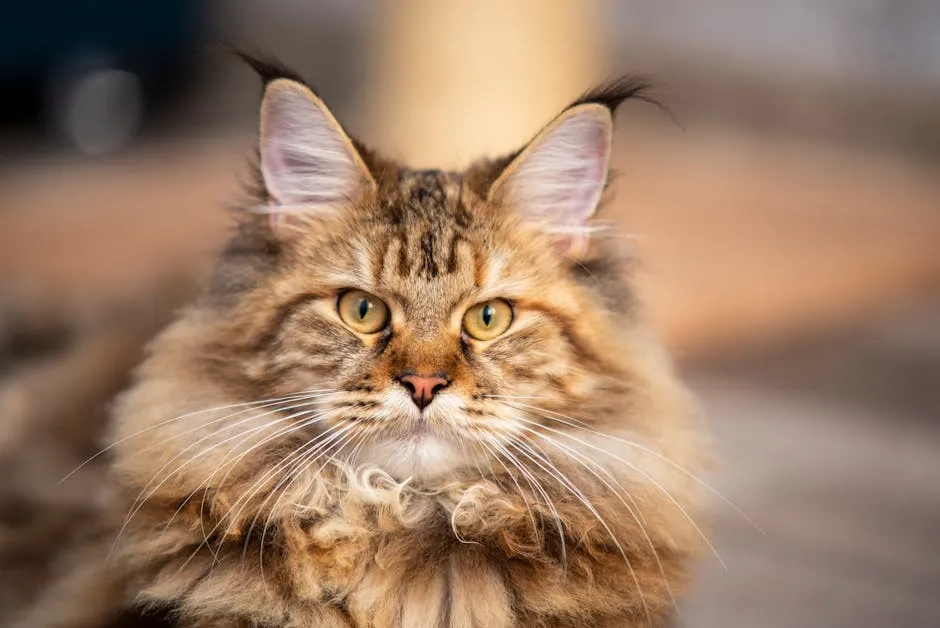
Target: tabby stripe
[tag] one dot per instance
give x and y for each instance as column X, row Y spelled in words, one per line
column 567, row 330
column 281, row 313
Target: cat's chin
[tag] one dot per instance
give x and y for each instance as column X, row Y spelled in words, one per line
column 422, row 457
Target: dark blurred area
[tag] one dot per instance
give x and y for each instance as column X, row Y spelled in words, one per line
column 789, row 235
column 87, row 71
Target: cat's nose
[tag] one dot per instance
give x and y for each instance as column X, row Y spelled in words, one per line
column 423, row 387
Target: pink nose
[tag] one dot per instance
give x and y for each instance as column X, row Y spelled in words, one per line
column 423, row 387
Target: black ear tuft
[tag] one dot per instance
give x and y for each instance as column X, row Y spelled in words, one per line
column 614, row 92
column 269, row 68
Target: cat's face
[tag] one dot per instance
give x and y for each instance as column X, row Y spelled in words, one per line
column 432, row 319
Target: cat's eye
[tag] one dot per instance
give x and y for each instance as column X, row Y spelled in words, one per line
column 487, row 320
column 363, row 312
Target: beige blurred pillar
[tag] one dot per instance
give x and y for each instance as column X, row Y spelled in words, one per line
column 451, row 80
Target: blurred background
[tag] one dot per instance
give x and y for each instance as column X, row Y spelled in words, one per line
column 789, row 236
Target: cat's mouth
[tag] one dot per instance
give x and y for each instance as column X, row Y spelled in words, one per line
column 421, row 429
column 419, row 445
column 424, row 431
column 411, row 442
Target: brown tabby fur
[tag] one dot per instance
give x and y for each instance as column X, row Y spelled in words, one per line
column 211, row 526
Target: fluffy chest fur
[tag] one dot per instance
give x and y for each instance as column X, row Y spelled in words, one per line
column 364, row 550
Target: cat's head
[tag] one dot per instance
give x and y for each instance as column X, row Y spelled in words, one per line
column 419, row 321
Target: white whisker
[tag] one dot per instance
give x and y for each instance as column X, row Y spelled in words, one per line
column 243, row 500
column 634, row 510
column 553, row 471
column 515, row 397
column 139, row 503
column 576, row 423
column 646, row 475
column 306, row 422
column 343, row 442
column 512, row 476
column 537, row 486
column 308, row 448
column 254, row 404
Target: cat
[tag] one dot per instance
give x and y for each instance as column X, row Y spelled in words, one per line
column 404, row 398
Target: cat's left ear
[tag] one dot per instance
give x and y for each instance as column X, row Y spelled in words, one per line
column 556, row 182
column 308, row 163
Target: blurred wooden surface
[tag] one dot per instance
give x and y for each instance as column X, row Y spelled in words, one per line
column 743, row 239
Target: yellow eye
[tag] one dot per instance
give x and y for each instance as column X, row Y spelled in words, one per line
column 362, row 312
column 487, row 320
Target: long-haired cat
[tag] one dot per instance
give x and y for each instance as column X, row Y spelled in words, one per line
column 407, row 398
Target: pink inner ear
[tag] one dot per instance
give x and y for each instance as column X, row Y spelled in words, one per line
column 557, row 182
column 580, row 154
column 306, row 160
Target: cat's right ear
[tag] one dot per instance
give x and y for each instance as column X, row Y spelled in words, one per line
column 308, row 163
column 556, row 182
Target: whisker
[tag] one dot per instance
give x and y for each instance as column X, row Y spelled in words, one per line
column 512, row 476
column 476, row 464
column 318, row 415
column 244, row 433
column 310, row 447
column 354, row 454
column 306, row 404
column 306, row 422
column 553, row 471
column 576, row 423
column 340, row 439
column 111, row 446
column 307, row 401
column 515, row 396
column 141, row 500
column 139, row 503
column 331, row 458
column 286, row 467
column 243, row 500
column 634, row 511
column 291, row 471
column 254, row 489
column 537, row 486
column 651, row 479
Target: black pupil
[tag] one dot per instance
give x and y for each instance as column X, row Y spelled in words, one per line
column 363, row 308
column 487, row 315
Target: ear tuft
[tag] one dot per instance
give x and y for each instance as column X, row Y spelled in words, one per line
column 308, row 163
column 615, row 92
column 557, row 181
column 268, row 68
